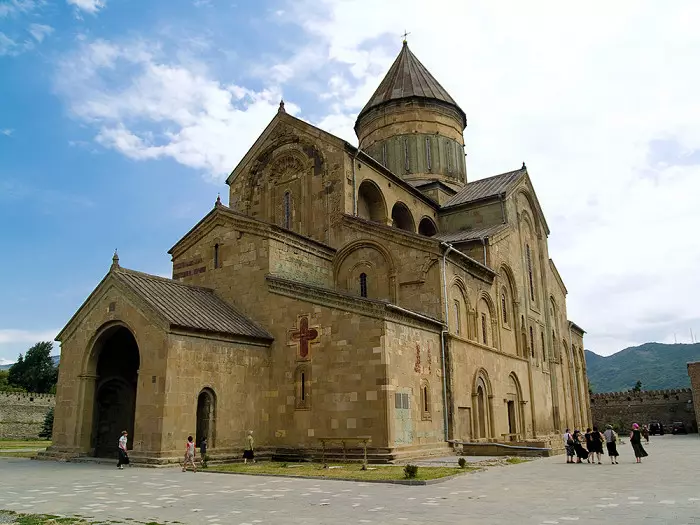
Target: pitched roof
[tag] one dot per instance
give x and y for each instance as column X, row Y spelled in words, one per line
column 484, row 188
column 408, row 78
column 470, row 235
column 187, row 306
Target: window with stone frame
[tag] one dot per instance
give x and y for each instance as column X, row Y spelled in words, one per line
column 544, row 349
column 287, row 210
column 302, row 383
column 532, row 342
column 217, row 256
column 428, row 154
column 458, row 318
column 530, row 276
column 504, row 308
column 363, row 285
column 425, row 401
column 484, row 330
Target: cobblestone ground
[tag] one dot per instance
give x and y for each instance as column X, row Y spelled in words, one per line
column 664, row 489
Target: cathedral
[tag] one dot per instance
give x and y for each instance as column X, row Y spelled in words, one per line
column 368, row 294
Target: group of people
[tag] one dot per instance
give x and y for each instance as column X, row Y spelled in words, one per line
column 248, row 452
column 589, row 446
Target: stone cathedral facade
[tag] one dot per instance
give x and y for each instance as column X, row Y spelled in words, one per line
column 372, row 293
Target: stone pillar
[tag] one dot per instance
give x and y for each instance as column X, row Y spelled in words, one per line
column 85, row 412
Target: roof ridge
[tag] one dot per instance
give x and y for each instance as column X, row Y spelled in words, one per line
column 494, row 176
column 168, row 280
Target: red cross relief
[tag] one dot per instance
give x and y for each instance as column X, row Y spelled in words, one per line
column 303, row 336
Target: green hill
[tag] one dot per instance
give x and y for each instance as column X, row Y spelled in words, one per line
column 658, row 366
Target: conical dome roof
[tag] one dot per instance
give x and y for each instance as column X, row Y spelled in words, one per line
column 408, row 78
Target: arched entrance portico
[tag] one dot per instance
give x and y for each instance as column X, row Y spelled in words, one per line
column 116, row 359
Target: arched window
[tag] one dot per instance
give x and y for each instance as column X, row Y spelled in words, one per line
column 425, row 400
column 530, row 278
column 217, row 263
column 427, row 227
column 363, row 285
column 504, row 308
column 554, row 346
column 532, row 342
column 484, row 331
column 428, row 156
column 370, row 202
column 302, row 388
column 458, row 318
column 287, row 210
column 401, row 217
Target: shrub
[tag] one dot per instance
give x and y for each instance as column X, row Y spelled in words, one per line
column 410, row 471
column 47, row 427
column 462, row 462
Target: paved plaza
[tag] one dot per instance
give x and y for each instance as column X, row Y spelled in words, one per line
column 662, row 490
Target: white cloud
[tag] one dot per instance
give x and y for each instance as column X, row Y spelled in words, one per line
column 17, row 7
column 164, row 108
column 89, row 6
column 7, row 132
column 12, row 336
column 7, row 45
column 40, row 31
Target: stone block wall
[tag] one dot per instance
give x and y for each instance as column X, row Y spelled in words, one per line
column 694, row 373
column 22, row 414
column 621, row 409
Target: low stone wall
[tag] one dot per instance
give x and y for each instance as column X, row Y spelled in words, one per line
column 621, row 409
column 22, row 414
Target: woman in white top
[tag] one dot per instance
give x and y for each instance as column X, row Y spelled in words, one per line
column 189, row 455
column 123, row 455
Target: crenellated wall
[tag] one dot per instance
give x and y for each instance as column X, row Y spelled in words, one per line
column 621, row 409
column 22, row 414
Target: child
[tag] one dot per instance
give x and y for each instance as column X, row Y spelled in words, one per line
column 248, row 453
column 189, row 455
column 203, row 451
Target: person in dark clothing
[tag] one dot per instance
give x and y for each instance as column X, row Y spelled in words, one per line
column 636, row 442
column 581, row 453
column 595, row 444
column 611, row 443
column 587, row 437
column 203, row 451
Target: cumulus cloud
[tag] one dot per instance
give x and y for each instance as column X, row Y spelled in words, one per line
column 598, row 100
column 40, row 31
column 17, row 7
column 88, row 6
column 147, row 106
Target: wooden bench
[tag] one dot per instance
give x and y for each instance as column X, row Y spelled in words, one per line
column 363, row 440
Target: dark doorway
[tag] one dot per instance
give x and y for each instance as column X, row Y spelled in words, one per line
column 512, row 421
column 115, row 393
column 206, row 408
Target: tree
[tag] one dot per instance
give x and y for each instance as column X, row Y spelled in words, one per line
column 5, row 385
column 637, row 387
column 35, row 371
column 47, row 428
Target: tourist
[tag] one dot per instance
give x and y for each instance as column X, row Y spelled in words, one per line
column 595, row 444
column 203, row 451
column 645, row 433
column 569, row 446
column 581, row 452
column 587, row 436
column 611, row 444
column 189, row 455
column 248, row 452
column 123, row 455
column 636, row 441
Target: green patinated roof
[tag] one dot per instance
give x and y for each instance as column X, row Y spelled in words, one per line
column 408, row 78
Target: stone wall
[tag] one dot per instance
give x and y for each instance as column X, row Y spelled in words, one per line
column 694, row 373
column 22, row 414
column 621, row 409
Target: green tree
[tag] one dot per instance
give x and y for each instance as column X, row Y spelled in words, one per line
column 35, row 371
column 47, row 428
column 5, row 385
column 637, row 387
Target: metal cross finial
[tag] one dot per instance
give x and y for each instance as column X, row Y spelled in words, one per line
column 405, row 34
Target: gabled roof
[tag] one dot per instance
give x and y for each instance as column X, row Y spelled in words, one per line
column 470, row 235
column 485, row 188
column 408, row 78
column 190, row 307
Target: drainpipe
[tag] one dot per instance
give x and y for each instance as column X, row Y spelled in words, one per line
column 448, row 249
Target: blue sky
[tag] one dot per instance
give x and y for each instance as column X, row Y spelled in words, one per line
column 120, row 119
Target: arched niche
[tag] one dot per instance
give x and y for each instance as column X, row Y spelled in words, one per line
column 402, row 218
column 206, row 417
column 371, row 205
column 365, row 268
column 427, row 227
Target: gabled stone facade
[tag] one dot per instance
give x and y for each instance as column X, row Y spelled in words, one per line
column 411, row 309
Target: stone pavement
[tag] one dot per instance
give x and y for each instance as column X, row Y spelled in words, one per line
column 662, row 490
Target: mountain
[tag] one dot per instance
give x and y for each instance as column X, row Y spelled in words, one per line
column 54, row 358
column 658, row 366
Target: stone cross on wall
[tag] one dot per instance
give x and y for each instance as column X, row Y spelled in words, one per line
column 303, row 337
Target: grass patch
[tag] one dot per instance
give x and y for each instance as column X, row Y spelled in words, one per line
column 6, row 444
column 48, row 519
column 22, row 454
column 339, row 471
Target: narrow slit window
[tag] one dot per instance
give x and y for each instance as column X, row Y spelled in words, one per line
column 484, row 333
column 531, row 281
column 426, row 403
column 544, row 349
column 363, row 285
column 458, row 319
column 428, row 153
column 303, row 386
column 504, row 308
column 216, row 255
column 407, row 163
column 532, row 343
column 287, row 210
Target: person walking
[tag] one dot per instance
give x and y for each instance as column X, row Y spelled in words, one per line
column 189, row 455
column 248, row 452
column 645, row 433
column 203, row 452
column 123, row 455
column 587, row 436
column 636, row 441
column 611, row 444
column 595, row 445
column 581, row 452
column 569, row 446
